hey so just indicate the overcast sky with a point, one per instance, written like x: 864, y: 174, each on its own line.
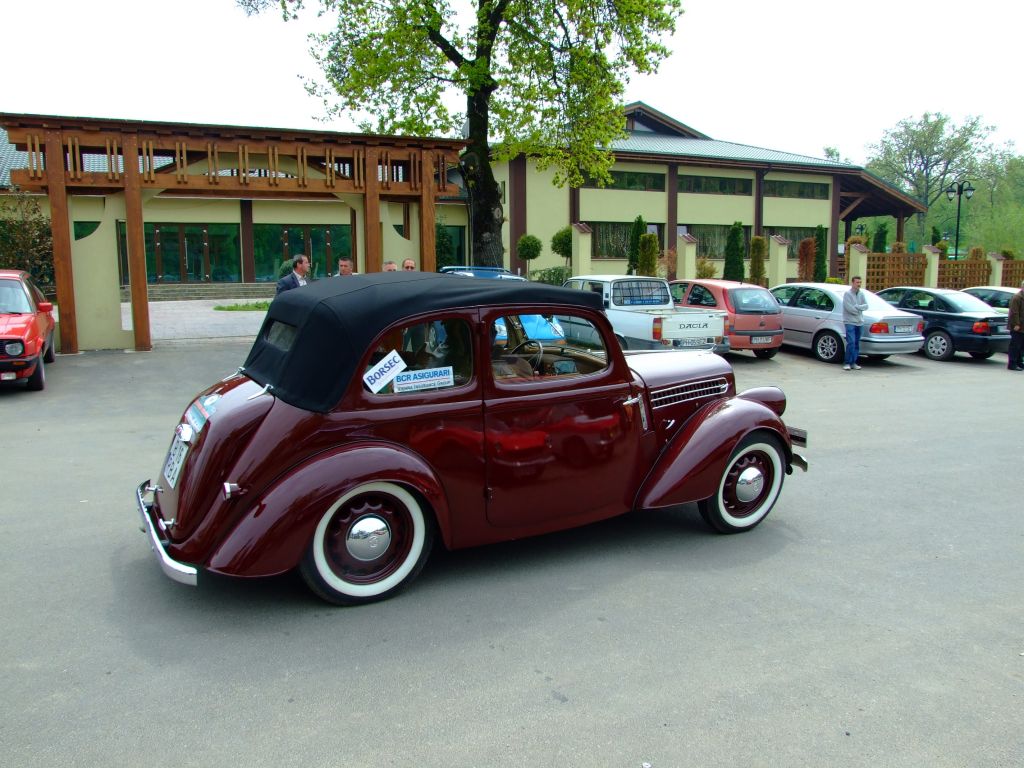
x: 792, y: 75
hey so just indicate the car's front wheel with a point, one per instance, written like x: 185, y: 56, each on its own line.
x: 828, y: 347
x: 749, y: 487
x: 368, y: 545
x: 50, y: 355
x: 37, y: 381
x: 938, y: 346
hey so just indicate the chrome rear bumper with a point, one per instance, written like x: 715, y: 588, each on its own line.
x: 183, y: 574
x: 798, y: 437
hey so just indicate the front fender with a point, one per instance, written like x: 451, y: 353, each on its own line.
x: 690, y: 468
x: 273, y: 536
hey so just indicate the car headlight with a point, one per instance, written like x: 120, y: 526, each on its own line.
x: 14, y: 348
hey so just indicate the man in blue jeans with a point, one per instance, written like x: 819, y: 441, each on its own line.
x: 854, y: 304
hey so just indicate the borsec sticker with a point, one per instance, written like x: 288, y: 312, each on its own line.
x: 382, y: 372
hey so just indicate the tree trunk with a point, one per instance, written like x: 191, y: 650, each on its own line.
x: 485, y: 211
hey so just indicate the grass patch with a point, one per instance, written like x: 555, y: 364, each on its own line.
x: 252, y: 306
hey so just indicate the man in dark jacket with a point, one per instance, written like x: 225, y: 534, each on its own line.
x: 1015, y: 321
x: 295, y: 278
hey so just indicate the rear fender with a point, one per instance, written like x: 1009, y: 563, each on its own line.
x: 273, y: 536
x: 690, y: 468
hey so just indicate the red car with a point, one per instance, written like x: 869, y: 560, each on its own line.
x: 357, y: 431
x: 755, y: 317
x: 26, y: 330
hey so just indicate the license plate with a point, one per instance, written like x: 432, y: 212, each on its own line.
x: 904, y: 329
x: 175, y: 460
x: 999, y: 329
x: 761, y: 340
x: 692, y: 342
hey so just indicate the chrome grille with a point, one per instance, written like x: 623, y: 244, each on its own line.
x: 695, y: 391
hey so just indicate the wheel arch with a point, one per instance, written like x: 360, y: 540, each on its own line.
x: 691, y: 466
x: 273, y: 535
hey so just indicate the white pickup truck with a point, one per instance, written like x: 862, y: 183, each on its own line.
x: 644, y: 316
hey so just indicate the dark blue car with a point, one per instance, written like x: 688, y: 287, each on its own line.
x: 954, y: 321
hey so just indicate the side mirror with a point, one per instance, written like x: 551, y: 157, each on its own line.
x: 606, y: 302
x: 45, y: 306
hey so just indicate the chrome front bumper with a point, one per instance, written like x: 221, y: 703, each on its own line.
x: 798, y: 437
x: 183, y: 574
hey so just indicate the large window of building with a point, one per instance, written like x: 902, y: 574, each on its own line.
x: 185, y: 253
x: 637, y: 181
x: 711, y: 239
x: 323, y: 243
x: 803, y: 190
x: 611, y: 238
x: 794, y: 235
x: 714, y: 185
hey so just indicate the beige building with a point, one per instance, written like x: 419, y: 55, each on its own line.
x: 138, y: 204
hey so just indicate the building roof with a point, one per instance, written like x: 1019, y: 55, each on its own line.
x: 646, y: 143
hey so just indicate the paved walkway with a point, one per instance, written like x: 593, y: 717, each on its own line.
x: 191, y: 320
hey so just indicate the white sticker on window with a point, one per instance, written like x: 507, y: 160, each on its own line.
x: 381, y: 373
x: 428, y: 378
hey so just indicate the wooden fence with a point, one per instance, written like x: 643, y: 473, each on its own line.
x: 885, y: 270
x: 1013, y: 273
x: 963, y: 274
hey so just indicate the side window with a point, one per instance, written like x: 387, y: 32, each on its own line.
x: 422, y: 356
x: 812, y: 298
x: 784, y: 293
x: 678, y: 291
x: 920, y: 300
x: 701, y: 297
x: 528, y: 348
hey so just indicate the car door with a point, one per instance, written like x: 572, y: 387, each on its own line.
x: 562, y: 428
x: 784, y: 295
x: 929, y: 306
x: 808, y: 313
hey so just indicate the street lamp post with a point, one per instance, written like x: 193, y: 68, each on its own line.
x: 958, y: 190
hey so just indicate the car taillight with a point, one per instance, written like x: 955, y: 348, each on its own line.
x: 981, y: 327
x: 657, y: 329
x: 920, y: 326
x: 879, y: 328
x: 728, y: 300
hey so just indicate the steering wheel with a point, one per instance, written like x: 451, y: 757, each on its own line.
x: 536, y: 359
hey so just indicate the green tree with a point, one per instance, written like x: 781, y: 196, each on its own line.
x: 528, y: 248
x: 758, y: 254
x: 25, y: 239
x: 647, y: 262
x: 543, y: 79
x: 561, y: 243
x: 880, y: 239
x: 638, y: 229
x: 733, y: 267
x: 820, y: 254
x: 936, y: 235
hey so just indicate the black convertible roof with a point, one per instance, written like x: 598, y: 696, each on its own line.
x: 323, y: 329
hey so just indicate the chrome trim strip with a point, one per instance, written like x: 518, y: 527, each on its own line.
x: 694, y: 391
x: 179, y: 572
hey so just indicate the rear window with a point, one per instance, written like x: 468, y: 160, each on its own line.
x: 964, y: 302
x: 753, y: 301
x: 638, y: 293
x: 281, y: 335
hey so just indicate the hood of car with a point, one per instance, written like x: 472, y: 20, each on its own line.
x: 16, y: 324
x: 676, y: 367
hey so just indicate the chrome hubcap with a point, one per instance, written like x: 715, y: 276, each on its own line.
x: 749, y: 484
x: 368, y: 538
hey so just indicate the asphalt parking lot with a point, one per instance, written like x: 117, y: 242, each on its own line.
x: 874, y: 619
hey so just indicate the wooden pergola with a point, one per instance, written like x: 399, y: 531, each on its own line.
x: 170, y: 159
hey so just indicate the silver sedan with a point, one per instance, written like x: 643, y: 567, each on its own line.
x: 812, y: 317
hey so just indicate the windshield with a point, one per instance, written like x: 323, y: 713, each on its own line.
x: 964, y: 302
x: 13, y: 298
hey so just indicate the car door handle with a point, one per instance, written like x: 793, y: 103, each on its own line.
x: 631, y: 400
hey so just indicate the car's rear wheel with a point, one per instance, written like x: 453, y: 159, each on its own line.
x: 37, y: 381
x: 981, y: 355
x: 750, y: 485
x: 938, y: 346
x: 765, y: 354
x: 828, y: 347
x: 370, y: 544
x: 50, y: 356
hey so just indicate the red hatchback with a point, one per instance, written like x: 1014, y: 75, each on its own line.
x: 755, y: 318
x: 26, y: 330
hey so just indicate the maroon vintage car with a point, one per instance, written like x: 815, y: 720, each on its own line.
x: 377, y: 411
